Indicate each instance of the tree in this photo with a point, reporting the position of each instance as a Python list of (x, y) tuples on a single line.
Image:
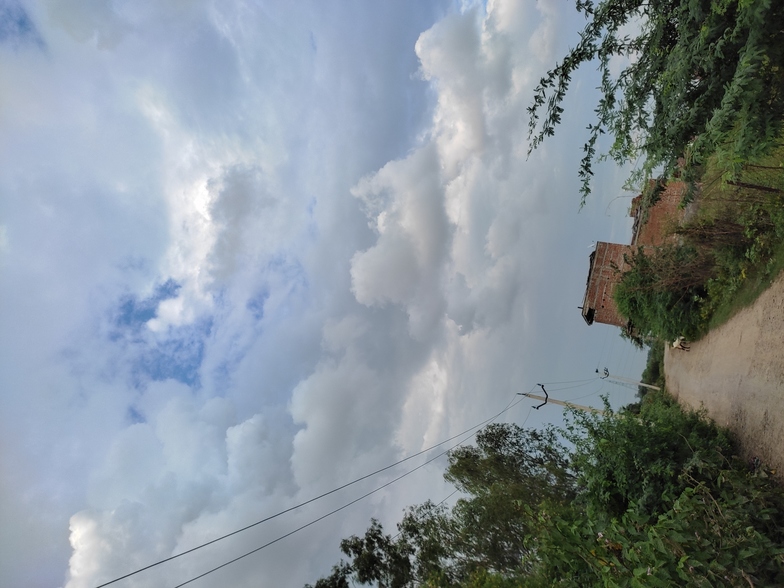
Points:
[(520, 461), (510, 471), (655, 498), (337, 579), (663, 502), (703, 76), (638, 461), (505, 476), (663, 289), (378, 559)]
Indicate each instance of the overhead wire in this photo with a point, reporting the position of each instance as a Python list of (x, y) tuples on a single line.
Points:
[(455, 491), (591, 379), (604, 346), (599, 389), (309, 501), (511, 404), (573, 387)]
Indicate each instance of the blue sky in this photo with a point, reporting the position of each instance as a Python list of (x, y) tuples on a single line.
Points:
[(252, 250)]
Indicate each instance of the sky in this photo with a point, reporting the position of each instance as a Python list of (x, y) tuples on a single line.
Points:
[(253, 250)]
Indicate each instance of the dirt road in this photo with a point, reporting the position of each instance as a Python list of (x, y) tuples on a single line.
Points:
[(737, 374)]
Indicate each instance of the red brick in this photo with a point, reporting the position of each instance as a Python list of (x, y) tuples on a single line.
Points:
[(606, 265), (607, 261)]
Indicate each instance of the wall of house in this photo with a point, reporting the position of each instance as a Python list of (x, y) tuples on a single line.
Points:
[(649, 230), (661, 217), (602, 281)]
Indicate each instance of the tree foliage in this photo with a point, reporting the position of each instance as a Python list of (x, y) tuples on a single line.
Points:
[(662, 290), (638, 462), (665, 502), (702, 77), (510, 469), (655, 498)]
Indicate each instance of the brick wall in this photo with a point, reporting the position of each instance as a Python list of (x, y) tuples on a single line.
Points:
[(650, 229), (661, 217), (598, 304)]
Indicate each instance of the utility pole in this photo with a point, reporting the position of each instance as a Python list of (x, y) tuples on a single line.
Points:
[(623, 380), (562, 403)]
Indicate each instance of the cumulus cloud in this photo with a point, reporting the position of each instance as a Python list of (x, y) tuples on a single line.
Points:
[(449, 216), (404, 200)]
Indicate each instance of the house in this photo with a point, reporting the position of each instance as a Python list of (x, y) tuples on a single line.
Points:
[(606, 266), (607, 263)]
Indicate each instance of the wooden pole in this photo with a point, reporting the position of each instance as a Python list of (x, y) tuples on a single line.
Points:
[(566, 404), (633, 382), (621, 379)]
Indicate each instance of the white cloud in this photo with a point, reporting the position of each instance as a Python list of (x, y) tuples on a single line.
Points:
[(404, 265)]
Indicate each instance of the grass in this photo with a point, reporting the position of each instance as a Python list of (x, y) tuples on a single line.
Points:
[(741, 220), (654, 368), (754, 285), (723, 256)]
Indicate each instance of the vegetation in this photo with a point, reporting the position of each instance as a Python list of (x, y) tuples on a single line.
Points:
[(701, 97), (650, 499), (654, 367), (662, 291), (703, 77), (719, 260), (655, 495), (742, 223)]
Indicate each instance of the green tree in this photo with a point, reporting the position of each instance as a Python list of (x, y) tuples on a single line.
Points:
[(337, 579), (431, 531), (520, 461), (703, 76), (508, 473), (637, 461), (378, 559), (663, 289), (664, 502), (655, 498)]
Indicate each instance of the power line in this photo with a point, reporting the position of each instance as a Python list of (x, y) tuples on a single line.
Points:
[(322, 517), (599, 389), (276, 515), (455, 491), (569, 382), (592, 380)]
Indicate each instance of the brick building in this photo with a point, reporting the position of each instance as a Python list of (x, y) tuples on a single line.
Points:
[(606, 262), (606, 266)]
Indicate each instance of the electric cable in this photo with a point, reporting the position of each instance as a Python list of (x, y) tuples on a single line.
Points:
[(296, 506), (599, 389), (455, 491), (604, 346), (322, 517), (570, 381), (572, 387)]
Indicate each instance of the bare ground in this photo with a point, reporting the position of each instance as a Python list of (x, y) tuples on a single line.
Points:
[(736, 373)]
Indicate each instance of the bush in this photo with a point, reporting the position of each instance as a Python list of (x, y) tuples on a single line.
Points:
[(654, 367), (664, 502), (663, 290), (654, 499)]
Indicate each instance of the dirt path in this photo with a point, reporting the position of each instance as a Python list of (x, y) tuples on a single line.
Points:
[(737, 374)]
